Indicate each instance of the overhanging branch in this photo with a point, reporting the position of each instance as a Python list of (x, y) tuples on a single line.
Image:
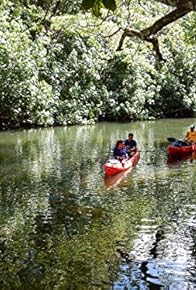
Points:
[(180, 3), (148, 34)]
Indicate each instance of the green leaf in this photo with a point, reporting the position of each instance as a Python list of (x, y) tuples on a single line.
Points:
[(110, 4), (96, 7), (87, 4)]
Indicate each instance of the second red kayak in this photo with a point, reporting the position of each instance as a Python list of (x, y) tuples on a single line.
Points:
[(182, 150), (113, 166)]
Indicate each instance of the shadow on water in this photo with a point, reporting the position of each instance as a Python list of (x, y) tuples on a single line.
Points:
[(141, 268), (154, 254)]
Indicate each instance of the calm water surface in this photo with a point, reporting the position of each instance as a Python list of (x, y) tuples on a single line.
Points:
[(62, 228)]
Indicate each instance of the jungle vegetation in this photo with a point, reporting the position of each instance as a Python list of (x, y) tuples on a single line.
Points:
[(79, 62)]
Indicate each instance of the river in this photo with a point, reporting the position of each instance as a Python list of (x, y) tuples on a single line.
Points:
[(62, 227)]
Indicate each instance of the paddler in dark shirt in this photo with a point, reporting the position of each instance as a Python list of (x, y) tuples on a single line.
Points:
[(130, 145)]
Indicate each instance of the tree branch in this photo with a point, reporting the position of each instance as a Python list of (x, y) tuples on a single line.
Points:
[(180, 3), (163, 21), (112, 34), (148, 34)]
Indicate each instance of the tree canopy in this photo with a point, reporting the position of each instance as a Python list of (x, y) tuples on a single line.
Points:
[(59, 63)]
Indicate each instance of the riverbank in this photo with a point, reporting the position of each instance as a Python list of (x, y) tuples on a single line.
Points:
[(6, 124)]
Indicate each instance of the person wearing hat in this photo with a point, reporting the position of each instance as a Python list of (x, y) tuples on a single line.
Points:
[(191, 135)]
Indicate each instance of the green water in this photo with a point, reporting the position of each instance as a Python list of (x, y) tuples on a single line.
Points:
[(61, 228)]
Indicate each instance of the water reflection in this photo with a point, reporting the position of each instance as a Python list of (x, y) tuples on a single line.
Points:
[(61, 228), (173, 161)]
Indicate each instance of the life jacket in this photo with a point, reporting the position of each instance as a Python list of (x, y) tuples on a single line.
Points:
[(191, 136)]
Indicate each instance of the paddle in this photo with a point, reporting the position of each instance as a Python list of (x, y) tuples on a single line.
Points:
[(171, 139)]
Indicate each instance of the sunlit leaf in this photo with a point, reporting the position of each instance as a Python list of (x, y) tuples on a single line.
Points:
[(96, 8)]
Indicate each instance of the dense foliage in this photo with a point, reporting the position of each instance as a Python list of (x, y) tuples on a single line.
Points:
[(58, 65)]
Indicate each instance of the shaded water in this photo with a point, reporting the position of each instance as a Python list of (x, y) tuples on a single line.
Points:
[(61, 228)]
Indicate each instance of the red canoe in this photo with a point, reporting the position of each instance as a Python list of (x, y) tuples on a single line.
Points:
[(113, 166), (183, 150)]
